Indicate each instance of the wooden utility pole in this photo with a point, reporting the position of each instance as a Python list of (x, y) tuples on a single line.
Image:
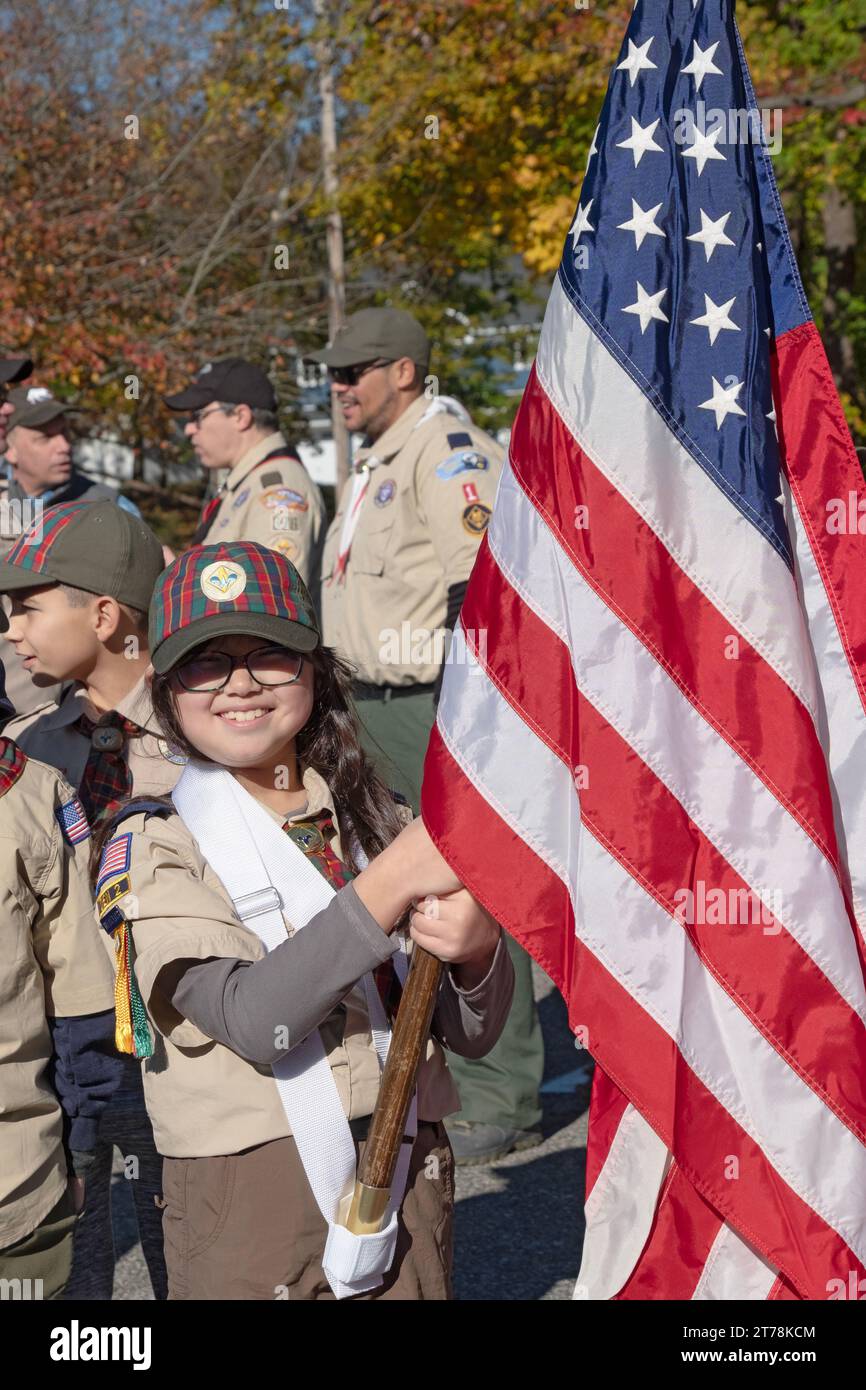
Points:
[(336, 265)]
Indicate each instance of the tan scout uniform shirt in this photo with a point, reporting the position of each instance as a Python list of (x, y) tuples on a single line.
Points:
[(275, 503), (203, 1099), (52, 964), (50, 734), (419, 528)]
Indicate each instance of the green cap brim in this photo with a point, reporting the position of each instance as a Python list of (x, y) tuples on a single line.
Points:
[(284, 631)]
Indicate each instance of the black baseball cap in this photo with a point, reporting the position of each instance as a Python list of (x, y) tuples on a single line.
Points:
[(232, 380), (14, 369), (372, 333)]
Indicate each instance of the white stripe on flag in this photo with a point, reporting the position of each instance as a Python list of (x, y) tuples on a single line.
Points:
[(650, 954), (620, 1208), (711, 541), (841, 726), (623, 680), (734, 1270)]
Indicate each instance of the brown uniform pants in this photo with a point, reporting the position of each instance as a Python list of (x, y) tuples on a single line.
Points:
[(246, 1226), (40, 1262)]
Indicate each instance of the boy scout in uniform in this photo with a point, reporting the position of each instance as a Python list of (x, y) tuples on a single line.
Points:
[(268, 496), (39, 453), (396, 563), (57, 1070), (80, 584)]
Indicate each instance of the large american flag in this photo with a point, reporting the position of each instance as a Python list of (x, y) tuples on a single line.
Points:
[(650, 754)]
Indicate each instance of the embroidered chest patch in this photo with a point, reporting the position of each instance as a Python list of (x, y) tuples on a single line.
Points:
[(385, 493)]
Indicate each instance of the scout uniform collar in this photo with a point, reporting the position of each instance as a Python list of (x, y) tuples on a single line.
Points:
[(275, 444), (136, 706), (383, 449)]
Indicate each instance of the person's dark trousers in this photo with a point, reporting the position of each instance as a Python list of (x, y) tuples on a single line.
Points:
[(395, 734), (502, 1088), (125, 1124)]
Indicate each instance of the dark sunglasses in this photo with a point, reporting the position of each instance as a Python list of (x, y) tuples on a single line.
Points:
[(266, 666), (350, 376)]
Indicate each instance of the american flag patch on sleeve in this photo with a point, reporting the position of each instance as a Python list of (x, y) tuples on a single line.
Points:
[(115, 859), (73, 821)]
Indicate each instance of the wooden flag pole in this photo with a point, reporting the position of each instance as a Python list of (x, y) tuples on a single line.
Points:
[(368, 1204)]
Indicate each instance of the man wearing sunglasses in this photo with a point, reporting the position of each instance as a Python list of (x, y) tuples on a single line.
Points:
[(268, 496), (396, 563)]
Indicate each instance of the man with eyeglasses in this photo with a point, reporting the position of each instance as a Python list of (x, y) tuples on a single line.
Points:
[(268, 495), (396, 563)]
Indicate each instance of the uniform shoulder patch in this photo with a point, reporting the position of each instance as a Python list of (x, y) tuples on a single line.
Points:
[(114, 861), (463, 461), (461, 440), (13, 761), (73, 821), (475, 518), (271, 479)]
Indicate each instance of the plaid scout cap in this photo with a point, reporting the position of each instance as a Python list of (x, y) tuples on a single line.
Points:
[(95, 546), (234, 586)]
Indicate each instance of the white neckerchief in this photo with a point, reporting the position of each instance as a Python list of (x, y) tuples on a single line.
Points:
[(266, 875)]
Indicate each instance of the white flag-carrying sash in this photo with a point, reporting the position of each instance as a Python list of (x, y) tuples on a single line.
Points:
[(265, 874)]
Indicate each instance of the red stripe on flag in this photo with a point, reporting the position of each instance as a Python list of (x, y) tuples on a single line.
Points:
[(822, 467), (607, 1106)]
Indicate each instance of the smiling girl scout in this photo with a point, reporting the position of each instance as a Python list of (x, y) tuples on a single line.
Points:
[(263, 951)]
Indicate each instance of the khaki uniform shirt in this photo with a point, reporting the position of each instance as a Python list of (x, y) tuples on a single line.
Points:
[(50, 734), (275, 503), (202, 1097), (432, 486), (52, 964)]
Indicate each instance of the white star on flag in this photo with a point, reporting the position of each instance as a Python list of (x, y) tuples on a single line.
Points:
[(712, 234), (593, 149), (704, 148), (636, 61), (581, 222), (723, 401), (702, 63), (641, 223), (771, 415), (640, 141), (716, 318), (646, 306)]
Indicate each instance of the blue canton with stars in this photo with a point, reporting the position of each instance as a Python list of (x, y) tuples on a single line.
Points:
[(679, 257)]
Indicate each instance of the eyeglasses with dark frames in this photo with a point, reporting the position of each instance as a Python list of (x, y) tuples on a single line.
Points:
[(267, 666)]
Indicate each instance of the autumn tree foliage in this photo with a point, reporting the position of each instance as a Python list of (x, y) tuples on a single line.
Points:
[(163, 200)]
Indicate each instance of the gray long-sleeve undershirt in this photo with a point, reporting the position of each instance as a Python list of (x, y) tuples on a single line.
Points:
[(262, 1009)]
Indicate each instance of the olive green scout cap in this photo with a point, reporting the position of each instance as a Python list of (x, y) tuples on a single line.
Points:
[(95, 546), (372, 333)]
